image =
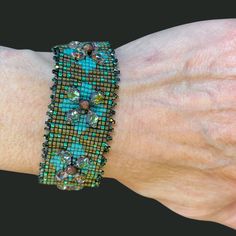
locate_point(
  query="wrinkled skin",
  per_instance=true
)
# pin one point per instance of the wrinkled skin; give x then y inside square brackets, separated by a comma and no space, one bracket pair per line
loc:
[175,136]
[177,117]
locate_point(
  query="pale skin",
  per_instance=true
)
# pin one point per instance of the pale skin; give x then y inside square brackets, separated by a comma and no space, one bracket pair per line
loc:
[175,135]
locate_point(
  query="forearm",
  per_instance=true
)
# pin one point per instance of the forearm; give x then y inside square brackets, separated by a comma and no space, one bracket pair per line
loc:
[25,91]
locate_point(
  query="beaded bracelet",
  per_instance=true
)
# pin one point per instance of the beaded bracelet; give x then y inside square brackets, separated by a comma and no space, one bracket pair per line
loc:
[79,115]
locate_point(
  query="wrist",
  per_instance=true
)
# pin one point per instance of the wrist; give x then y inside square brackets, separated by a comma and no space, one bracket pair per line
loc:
[25,83]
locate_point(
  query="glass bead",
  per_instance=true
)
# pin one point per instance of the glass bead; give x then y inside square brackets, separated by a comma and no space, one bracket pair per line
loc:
[88,47]
[80,179]
[61,186]
[61,175]
[100,57]
[73,94]
[97,98]
[79,54]
[65,156]
[73,116]
[73,187]
[82,162]
[74,44]
[92,119]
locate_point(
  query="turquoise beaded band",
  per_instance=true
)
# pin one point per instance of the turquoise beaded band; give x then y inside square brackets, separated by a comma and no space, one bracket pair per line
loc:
[79,115]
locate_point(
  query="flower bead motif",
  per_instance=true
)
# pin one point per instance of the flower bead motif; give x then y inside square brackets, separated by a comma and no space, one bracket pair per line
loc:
[81,50]
[69,177]
[85,103]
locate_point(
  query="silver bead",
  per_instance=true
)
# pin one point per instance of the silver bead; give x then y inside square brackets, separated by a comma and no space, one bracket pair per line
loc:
[74,44]
[73,116]
[82,162]
[100,57]
[61,175]
[79,54]
[73,94]
[66,157]
[80,179]
[92,119]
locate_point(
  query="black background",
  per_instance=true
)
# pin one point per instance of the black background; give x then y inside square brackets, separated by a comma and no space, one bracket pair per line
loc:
[112,209]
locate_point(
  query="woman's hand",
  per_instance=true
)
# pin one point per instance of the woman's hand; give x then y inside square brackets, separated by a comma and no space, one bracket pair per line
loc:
[175,136]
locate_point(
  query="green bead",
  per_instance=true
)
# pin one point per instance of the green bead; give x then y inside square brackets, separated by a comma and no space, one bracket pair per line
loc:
[97,98]
[82,162]
[92,119]
[73,94]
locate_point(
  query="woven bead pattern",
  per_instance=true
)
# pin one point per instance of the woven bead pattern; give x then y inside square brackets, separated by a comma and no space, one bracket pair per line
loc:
[79,115]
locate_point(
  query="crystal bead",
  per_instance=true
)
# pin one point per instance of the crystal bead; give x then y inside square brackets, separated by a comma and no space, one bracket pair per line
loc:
[73,116]
[79,54]
[97,98]
[61,186]
[74,44]
[82,162]
[100,57]
[80,179]
[92,119]
[73,187]
[88,47]
[65,156]
[73,94]
[61,175]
